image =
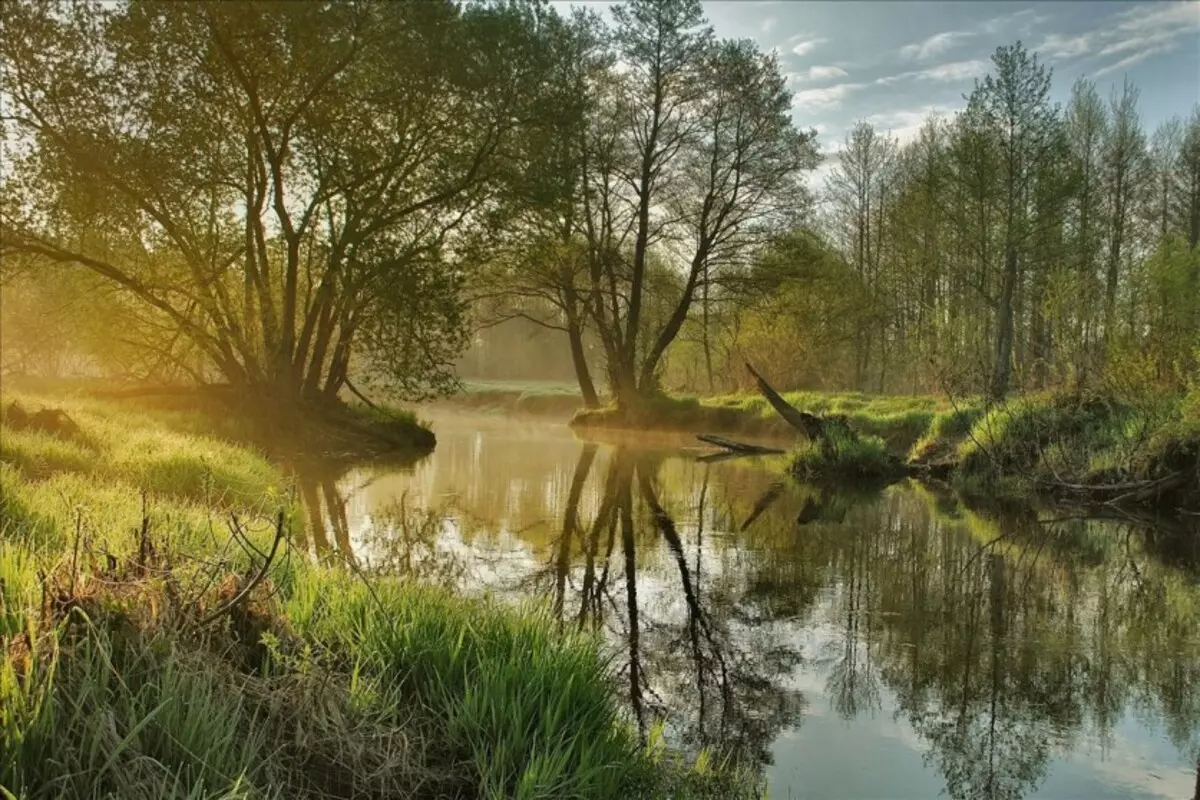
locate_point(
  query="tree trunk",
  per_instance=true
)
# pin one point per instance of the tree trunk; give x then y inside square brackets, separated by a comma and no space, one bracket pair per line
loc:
[579,358]
[708,367]
[1002,367]
[672,328]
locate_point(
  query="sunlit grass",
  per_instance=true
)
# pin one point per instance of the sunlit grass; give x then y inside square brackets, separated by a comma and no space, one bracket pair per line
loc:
[1058,440]
[326,686]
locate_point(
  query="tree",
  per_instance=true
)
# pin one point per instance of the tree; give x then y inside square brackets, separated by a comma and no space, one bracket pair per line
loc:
[858,187]
[660,43]
[1188,203]
[740,183]
[1013,108]
[541,274]
[283,187]
[1124,160]
[1087,129]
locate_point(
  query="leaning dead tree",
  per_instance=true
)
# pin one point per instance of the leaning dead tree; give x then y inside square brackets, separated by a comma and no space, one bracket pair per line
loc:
[818,429]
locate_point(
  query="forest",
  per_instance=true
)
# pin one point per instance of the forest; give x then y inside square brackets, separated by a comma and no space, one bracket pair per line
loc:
[353,358]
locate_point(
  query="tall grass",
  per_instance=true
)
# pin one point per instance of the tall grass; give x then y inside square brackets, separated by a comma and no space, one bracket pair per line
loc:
[318,685]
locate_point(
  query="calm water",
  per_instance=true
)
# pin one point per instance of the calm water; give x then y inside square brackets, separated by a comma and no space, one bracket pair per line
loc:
[892,645]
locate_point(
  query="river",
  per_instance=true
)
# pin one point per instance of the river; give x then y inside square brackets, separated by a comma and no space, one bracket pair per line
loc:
[891,644]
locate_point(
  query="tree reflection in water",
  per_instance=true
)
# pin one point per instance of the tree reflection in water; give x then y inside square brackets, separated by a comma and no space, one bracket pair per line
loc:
[1003,641]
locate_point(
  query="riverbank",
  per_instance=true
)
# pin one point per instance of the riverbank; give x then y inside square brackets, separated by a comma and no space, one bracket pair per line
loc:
[545,399]
[163,635]
[899,421]
[333,431]
[1090,448]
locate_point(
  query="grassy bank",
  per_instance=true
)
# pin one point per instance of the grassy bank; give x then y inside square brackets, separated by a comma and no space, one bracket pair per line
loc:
[1142,450]
[331,431]
[1095,447]
[550,399]
[897,421]
[161,639]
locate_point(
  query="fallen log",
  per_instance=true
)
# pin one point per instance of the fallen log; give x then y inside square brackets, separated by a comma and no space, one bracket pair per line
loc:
[741,448]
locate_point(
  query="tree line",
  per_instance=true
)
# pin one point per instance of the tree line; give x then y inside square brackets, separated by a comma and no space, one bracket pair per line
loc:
[283,196]
[1017,245]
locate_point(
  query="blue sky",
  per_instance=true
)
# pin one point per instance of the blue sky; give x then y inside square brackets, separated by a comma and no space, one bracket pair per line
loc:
[893,63]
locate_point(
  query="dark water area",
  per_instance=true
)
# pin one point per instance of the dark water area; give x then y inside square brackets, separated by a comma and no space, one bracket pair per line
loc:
[888,644]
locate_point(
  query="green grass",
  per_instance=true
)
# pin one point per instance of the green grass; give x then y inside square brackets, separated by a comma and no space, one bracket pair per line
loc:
[864,458]
[1055,441]
[898,420]
[319,684]
[946,432]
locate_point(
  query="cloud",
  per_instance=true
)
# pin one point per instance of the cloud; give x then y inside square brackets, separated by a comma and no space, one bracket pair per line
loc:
[942,73]
[996,24]
[825,97]
[938,43]
[1145,30]
[768,24]
[955,71]
[1129,61]
[905,124]
[1057,46]
[805,46]
[817,73]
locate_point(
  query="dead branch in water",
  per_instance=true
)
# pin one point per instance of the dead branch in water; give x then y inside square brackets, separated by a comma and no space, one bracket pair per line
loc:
[735,447]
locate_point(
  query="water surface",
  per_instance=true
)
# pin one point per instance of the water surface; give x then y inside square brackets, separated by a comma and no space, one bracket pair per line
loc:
[892,644]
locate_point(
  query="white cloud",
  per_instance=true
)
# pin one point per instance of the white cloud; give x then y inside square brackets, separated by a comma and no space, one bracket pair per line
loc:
[817,73]
[996,24]
[938,43]
[1129,61]
[805,46]
[1142,31]
[1057,46]
[826,97]
[955,71]
[905,124]
[768,24]
[942,73]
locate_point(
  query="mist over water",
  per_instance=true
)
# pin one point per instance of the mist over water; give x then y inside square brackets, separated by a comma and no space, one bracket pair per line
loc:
[889,644]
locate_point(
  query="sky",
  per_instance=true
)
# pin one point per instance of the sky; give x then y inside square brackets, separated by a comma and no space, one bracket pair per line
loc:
[893,63]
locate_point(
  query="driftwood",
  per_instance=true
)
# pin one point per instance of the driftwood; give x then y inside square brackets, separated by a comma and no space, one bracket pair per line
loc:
[734,447]
[818,429]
